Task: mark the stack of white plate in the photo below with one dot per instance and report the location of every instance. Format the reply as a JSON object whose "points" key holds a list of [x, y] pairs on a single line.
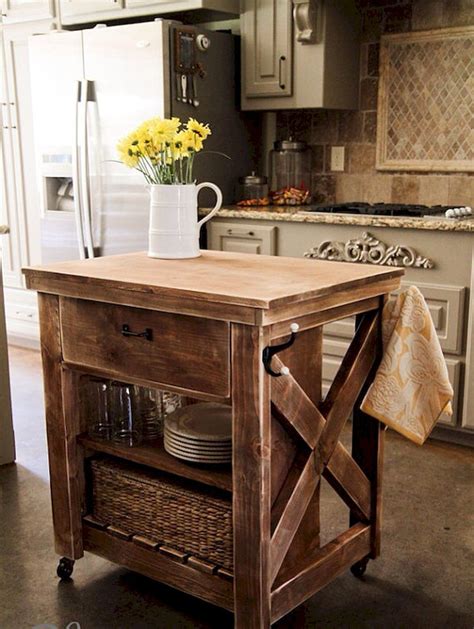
{"points": [[200, 433]]}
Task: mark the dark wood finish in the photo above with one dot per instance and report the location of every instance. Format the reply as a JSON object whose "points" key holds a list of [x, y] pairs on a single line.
{"points": [[144, 542], [251, 477], [296, 407], [225, 574], [91, 521], [347, 384], [184, 350], [368, 438], [293, 514], [292, 312], [226, 308], [175, 554], [304, 360], [160, 567], [203, 566], [74, 424], [154, 455], [328, 563], [341, 470], [68, 541], [278, 287], [118, 532], [323, 316], [144, 382]]}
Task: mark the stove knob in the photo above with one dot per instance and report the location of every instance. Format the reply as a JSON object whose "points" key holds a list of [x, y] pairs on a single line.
{"points": [[449, 213], [469, 210], [457, 212], [203, 42]]}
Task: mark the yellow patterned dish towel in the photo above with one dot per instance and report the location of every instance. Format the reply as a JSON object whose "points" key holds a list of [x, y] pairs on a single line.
{"points": [[411, 387]]}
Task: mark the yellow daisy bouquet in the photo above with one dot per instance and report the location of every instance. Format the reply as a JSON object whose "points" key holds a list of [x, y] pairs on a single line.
{"points": [[163, 149]]}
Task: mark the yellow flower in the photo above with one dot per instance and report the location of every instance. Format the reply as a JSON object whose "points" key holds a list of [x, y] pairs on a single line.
{"points": [[163, 131], [187, 142], [202, 131], [129, 149]]}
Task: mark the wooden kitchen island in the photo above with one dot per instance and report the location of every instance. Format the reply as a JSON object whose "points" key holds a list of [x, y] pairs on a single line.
{"points": [[209, 324]]}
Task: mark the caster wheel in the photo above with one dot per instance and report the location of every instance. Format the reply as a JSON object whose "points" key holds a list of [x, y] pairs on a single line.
{"points": [[65, 568], [359, 568]]}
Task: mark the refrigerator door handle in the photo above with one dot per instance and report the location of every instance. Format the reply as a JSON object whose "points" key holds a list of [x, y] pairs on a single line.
{"points": [[76, 179], [85, 190]]}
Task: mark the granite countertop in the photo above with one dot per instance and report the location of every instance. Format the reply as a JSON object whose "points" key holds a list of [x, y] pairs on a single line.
{"points": [[298, 215], [4, 229]]}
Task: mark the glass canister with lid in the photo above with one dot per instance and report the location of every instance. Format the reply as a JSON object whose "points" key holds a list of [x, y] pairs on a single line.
{"points": [[290, 164], [253, 190]]}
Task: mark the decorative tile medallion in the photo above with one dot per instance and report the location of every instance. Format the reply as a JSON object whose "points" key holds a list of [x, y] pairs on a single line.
{"points": [[426, 101]]}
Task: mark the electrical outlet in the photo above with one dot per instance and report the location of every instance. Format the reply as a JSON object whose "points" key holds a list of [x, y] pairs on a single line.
{"points": [[338, 157]]}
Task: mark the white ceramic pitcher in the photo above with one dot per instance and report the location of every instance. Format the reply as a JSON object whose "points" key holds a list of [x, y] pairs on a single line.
{"points": [[174, 228]]}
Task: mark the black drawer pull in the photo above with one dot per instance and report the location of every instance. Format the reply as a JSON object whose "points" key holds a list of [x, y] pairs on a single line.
{"points": [[147, 334]]}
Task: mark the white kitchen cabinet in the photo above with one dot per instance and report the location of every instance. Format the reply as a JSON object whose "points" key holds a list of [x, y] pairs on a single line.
{"points": [[81, 11], [267, 47], [75, 8], [143, 3], [26, 10], [9, 214], [20, 204], [7, 440], [242, 238]]}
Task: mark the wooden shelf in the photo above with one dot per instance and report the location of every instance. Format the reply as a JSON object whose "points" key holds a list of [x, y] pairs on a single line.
{"points": [[154, 455], [177, 573]]}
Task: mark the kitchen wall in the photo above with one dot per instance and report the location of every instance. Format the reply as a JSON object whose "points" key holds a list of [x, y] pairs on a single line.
{"points": [[356, 130]]}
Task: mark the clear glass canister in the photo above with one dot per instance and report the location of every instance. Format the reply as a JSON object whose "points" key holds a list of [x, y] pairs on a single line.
{"points": [[252, 190], [290, 164]]}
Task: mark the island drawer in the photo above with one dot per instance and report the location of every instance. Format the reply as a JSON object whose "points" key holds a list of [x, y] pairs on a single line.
{"points": [[171, 350]]}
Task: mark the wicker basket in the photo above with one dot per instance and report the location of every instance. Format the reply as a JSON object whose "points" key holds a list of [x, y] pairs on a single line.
{"points": [[180, 514]]}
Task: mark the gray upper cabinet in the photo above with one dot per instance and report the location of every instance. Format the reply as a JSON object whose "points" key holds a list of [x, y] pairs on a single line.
{"points": [[300, 54], [267, 48]]}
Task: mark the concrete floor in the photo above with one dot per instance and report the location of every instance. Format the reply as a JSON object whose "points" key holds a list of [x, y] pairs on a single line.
{"points": [[424, 577]]}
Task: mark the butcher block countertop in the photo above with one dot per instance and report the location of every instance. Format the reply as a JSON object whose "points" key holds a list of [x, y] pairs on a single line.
{"points": [[232, 286], [299, 214]]}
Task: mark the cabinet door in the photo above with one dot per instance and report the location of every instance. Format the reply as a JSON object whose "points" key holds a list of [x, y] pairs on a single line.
{"points": [[129, 4], [21, 204], [242, 238], [267, 47], [26, 10], [10, 246], [72, 8]]}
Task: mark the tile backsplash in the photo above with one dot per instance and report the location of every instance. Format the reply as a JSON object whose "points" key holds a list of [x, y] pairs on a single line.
{"points": [[356, 130]]}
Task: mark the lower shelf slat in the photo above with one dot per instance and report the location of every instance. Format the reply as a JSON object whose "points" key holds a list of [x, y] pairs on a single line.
{"points": [[160, 567]]}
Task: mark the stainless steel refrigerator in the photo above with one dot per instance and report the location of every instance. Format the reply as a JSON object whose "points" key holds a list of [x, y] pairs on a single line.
{"points": [[90, 88]]}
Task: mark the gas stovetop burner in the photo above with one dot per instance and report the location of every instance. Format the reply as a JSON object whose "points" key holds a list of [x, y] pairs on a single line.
{"points": [[394, 209]]}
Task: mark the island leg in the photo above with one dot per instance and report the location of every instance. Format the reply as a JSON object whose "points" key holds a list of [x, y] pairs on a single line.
{"points": [[62, 427], [251, 477], [368, 450]]}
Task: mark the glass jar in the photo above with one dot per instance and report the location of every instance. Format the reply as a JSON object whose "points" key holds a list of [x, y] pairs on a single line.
{"points": [[252, 190], [96, 408], [126, 418], [149, 407], [290, 167]]}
